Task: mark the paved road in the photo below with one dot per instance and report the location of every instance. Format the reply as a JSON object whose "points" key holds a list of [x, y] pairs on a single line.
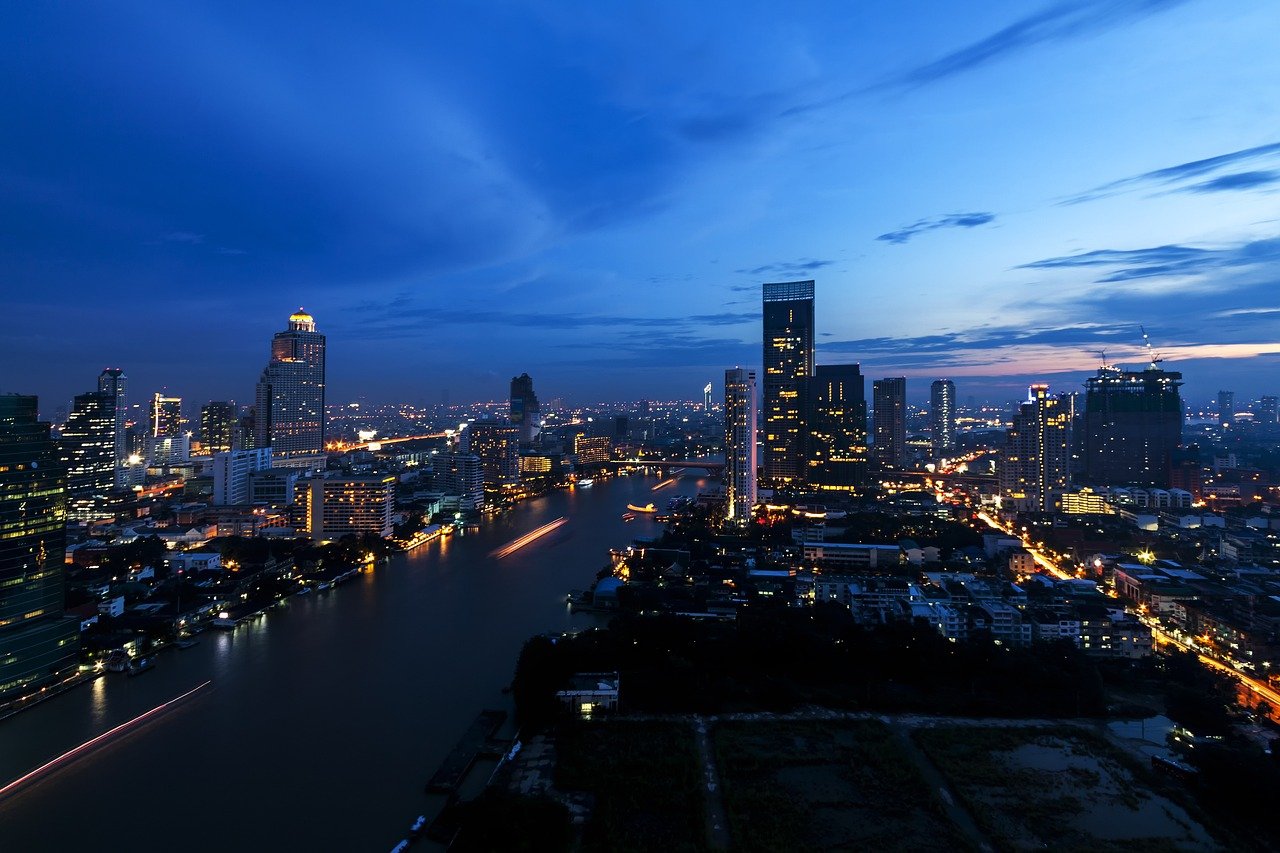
{"points": [[934, 779], [717, 824]]}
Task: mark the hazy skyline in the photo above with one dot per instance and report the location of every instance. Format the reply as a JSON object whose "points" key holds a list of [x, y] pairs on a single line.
{"points": [[460, 193]]}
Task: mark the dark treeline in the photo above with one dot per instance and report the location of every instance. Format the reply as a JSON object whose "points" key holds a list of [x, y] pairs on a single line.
{"points": [[779, 658]]}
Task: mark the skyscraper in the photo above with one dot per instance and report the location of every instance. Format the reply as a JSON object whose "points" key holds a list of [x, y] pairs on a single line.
{"points": [[36, 643], [706, 397], [889, 401], [497, 445], [1132, 423], [1226, 408], [88, 452], [942, 417], [166, 416], [526, 413], [1267, 410], [740, 410], [217, 426], [113, 381], [788, 364], [838, 455], [1037, 454], [289, 405]]}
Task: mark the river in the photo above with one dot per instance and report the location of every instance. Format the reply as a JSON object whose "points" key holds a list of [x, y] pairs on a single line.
{"points": [[325, 718]]}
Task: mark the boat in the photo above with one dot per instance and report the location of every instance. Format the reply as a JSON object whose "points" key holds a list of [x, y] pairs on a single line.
{"points": [[304, 591], [224, 622], [186, 643], [628, 516], [585, 482], [323, 585], [117, 661], [401, 847], [646, 508], [140, 665], [418, 825]]}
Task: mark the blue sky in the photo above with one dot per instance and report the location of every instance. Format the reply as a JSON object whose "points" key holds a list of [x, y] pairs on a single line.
{"points": [[461, 192]]}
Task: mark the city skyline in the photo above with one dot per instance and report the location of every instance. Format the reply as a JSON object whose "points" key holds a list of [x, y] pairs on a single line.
{"points": [[995, 241]]}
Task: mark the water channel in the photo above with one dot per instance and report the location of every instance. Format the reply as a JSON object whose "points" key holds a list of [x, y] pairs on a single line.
{"points": [[324, 718]]}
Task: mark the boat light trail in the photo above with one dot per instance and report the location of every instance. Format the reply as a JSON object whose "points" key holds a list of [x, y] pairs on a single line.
{"points": [[90, 744], [667, 482], [533, 535]]}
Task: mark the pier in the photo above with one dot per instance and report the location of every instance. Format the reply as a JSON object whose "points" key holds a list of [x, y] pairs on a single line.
{"points": [[473, 744]]}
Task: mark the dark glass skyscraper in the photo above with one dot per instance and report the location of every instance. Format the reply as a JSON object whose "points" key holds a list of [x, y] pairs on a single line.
{"points": [[289, 410], [166, 416], [526, 412], [218, 424], [788, 365], [889, 403], [113, 381], [1226, 408], [88, 452], [838, 452], [1132, 423], [36, 643]]}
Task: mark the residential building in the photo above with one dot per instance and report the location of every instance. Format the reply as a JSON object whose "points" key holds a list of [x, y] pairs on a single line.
{"points": [[788, 365], [88, 453], [166, 416], [592, 449], [889, 414], [460, 476], [338, 506], [217, 427], [1036, 464], [1226, 408], [497, 444], [942, 418], [740, 442], [838, 454], [231, 472]]}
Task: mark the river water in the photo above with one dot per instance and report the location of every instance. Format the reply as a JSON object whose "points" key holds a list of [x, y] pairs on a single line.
{"points": [[325, 718]]}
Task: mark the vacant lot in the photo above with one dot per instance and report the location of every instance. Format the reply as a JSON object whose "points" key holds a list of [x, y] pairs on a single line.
{"points": [[645, 781], [829, 785], [1059, 789]]}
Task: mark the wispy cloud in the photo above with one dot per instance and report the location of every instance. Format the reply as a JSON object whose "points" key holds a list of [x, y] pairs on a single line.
{"points": [[1164, 261], [950, 220], [1177, 176], [802, 265]]}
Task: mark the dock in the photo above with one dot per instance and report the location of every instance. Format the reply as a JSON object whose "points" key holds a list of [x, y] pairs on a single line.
{"points": [[475, 743]]}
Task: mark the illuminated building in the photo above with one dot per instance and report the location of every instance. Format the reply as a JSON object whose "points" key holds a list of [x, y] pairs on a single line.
{"points": [[166, 415], [1267, 410], [36, 643], [113, 381], [592, 449], [217, 427], [889, 415], [740, 409], [497, 445], [88, 453], [338, 506], [788, 364], [942, 418], [166, 451], [706, 397], [273, 487], [1132, 424], [289, 405], [838, 452], [231, 472], [526, 413], [1226, 408], [1036, 464], [1085, 502], [460, 476]]}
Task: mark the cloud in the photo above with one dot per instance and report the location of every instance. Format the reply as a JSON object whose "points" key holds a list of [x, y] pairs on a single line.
{"points": [[187, 237], [1161, 261], [1179, 174], [950, 220], [802, 265]]}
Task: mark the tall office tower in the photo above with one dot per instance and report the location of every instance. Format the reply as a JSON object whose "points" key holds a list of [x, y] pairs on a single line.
{"points": [[36, 643], [740, 409], [113, 381], [942, 417], [289, 405], [231, 473], [1132, 423], [788, 364], [217, 427], [497, 444], [166, 416], [889, 401], [1226, 408], [706, 397], [88, 452], [526, 413], [1037, 453], [838, 455], [1267, 410]]}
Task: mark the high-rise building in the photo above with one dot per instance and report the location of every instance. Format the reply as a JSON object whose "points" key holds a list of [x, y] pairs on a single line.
{"points": [[1267, 410], [1132, 423], [706, 397], [838, 455], [1226, 408], [1036, 464], [526, 413], [113, 381], [942, 418], [217, 426], [88, 453], [889, 415], [740, 410], [592, 450], [497, 445], [460, 476], [788, 365], [166, 415], [36, 644], [289, 405], [338, 506], [231, 472]]}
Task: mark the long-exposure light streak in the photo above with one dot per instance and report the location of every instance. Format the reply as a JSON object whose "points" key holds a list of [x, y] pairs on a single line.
{"points": [[91, 743], [518, 543]]}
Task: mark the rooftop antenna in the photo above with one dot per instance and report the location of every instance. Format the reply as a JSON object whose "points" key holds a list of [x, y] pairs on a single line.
{"points": [[1146, 341], [1103, 354]]}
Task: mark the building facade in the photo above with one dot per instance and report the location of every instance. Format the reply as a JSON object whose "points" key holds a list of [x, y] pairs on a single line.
{"points": [[740, 440], [526, 411], [113, 381], [942, 418], [788, 365], [889, 402], [231, 472], [37, 644], [166, 416], [838, 452], [1036, 464], [217, 426], [1132, 424], [289, 404], [339, 506], [88, 453], [497, 445]]}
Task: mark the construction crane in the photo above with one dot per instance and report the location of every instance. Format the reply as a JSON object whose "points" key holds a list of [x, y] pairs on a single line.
{"points": [[1146, 342]]}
